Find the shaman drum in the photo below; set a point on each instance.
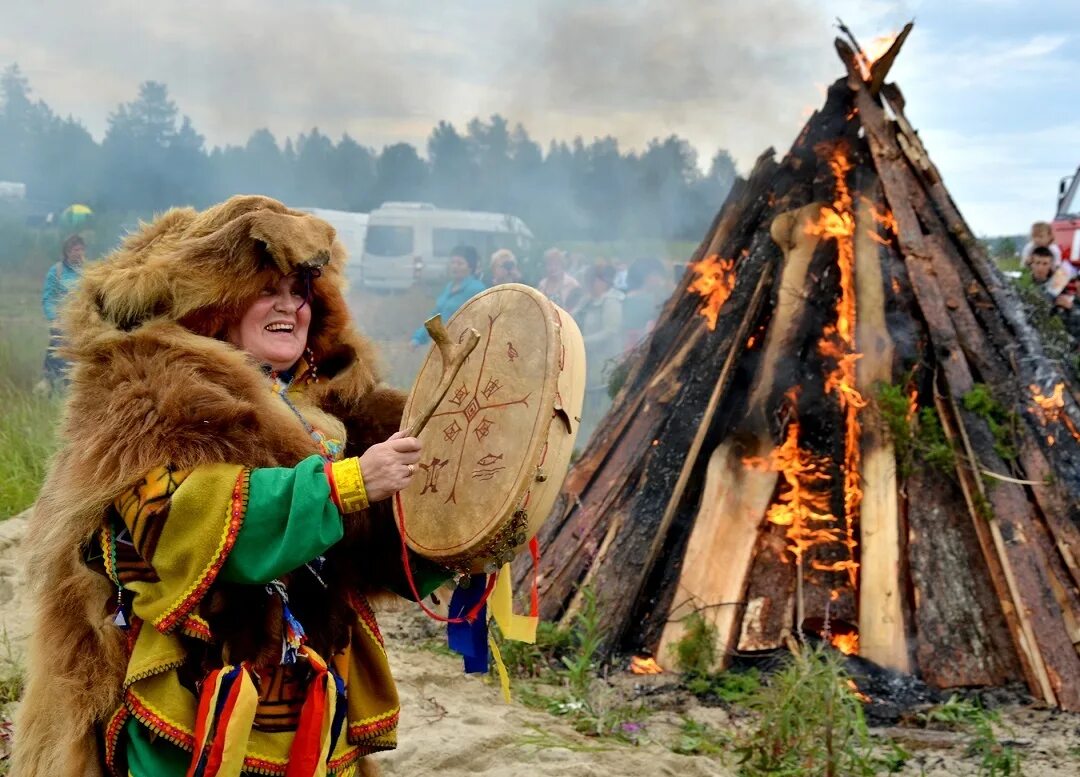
(498, 446)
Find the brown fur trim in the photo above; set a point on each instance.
(151, 384)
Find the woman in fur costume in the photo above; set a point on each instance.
(216, 517)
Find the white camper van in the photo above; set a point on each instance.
(351, 230)
(410, 242)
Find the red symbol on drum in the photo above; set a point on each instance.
(491, 387)
(452, 431)
(484, 429)
(472, 409)
(511, 351)
(432, 469)
(486, 471)
(459, 395)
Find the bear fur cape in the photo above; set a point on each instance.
(153, 382)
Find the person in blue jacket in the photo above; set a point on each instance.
(59, 281)
(463, 285)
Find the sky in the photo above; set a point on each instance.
(993, 86)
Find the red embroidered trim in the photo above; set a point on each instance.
(193, 627)
(161, 727)
(366, 614)
(112, 736)
(369, 730)
(236, 519)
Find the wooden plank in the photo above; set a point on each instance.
(736, 496)
(1056, 670)
(882, 631)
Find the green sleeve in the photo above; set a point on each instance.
(290, 519)
(150, 756)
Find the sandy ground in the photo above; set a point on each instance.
(454, 725)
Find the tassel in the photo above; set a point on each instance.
(223, 723)
(315, 732)
(292, 633)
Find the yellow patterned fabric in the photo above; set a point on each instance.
(193, 519)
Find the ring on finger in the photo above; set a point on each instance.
(412, 468)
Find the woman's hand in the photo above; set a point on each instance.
(387, 467)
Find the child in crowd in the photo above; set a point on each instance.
(1041, 237)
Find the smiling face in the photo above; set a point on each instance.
(274, 328)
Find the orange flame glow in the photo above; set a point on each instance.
(855, 690)
(873, 52)
(715, 281)
(803, 502)
(848, 644)
(643, 665)
(1051, 409)
(838, 343)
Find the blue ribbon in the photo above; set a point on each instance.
(470, 639)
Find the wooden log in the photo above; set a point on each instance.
(736, 496)
(769, 614)
(960, 635)
(1034, 366)
(882, 632)
(614, 460)
(1054, 662)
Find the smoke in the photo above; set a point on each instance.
(736, 75)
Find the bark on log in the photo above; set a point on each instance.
(1031, 590)
(961, 636)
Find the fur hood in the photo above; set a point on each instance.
(153, 382)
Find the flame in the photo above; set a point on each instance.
(715, 281)
(912, 406)
(848, 644)
(1051, 409)
(750, 342)
(872, 53)
(803, 502)
(838, 343)
(643, 665)
(855, 690)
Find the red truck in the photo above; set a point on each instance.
(1066, 224)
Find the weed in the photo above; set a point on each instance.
(811, 723)
(695, 652)
(918, 440)
(1002, 423)
(956, 714)
(700, 739)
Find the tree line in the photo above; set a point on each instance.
(152, 157)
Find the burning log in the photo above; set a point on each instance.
(750, 470)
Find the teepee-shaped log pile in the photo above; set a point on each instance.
(842, 424)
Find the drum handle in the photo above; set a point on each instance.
(471, 615)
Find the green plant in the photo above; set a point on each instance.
(524, 660)
(695, 652)
(700, 739)
(956, 714)
(1002, 423)
(810, 723)
(917, 439)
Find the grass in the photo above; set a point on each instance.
(995, 759)
(28, 422)
(810, 722)
(1002, 422)
(919, 440)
